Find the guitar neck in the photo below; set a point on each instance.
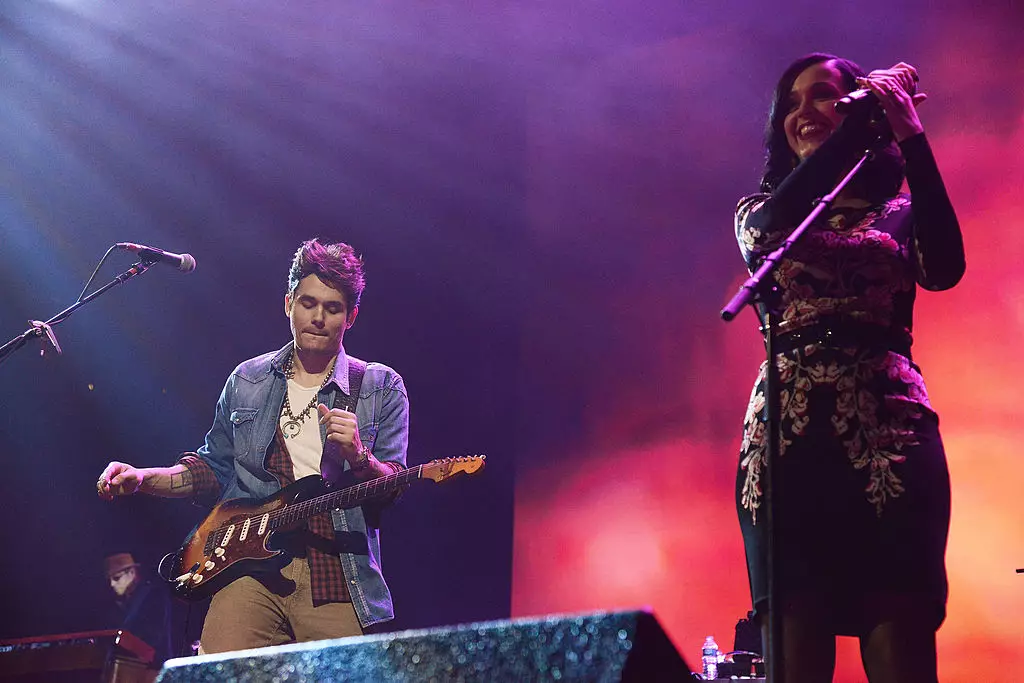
(348, 497)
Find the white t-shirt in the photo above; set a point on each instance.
(305, 447)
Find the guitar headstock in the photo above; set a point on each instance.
(442, 469)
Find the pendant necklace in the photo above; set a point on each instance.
(293, 425)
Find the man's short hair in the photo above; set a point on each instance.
(336, 264)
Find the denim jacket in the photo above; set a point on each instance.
(244, 425)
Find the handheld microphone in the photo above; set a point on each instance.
(860, 100)
(183, 262)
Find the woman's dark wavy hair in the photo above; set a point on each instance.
(880, 178)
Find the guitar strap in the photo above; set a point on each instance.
(356, 370)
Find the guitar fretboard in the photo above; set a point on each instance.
(345, 498)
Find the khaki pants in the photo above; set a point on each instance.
(248, 613)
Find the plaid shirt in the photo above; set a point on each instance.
(327, 579)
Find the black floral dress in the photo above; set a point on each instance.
(862, 484)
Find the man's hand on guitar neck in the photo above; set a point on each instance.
(121, 479)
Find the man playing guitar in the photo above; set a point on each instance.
(307, 409)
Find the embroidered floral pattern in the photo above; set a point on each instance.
(855, 267)
(872, 432)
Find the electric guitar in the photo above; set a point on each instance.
(234, 539)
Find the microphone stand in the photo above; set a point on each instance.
(760, 290)
(40, 328)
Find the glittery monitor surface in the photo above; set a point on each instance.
(598, 647)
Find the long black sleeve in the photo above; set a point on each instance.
(938, 241)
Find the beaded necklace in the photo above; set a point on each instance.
(293, 425)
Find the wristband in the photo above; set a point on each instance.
(363, 460)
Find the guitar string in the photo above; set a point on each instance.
(296, 510)
(278, 515)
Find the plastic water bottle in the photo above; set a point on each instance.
(709, 658)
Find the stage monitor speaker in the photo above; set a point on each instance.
(604, 647)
